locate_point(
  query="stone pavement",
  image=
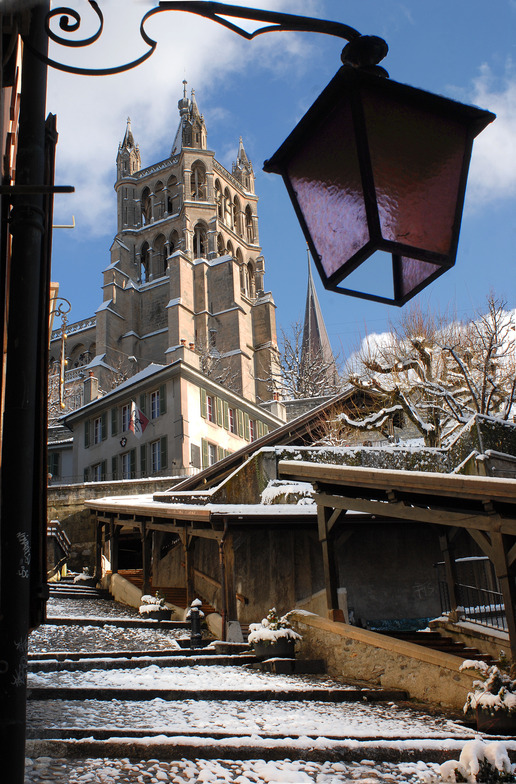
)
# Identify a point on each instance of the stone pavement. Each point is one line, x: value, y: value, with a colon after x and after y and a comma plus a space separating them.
x: 111, y: 703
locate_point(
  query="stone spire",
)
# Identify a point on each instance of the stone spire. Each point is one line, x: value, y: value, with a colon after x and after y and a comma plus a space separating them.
x: 128, y: 159
x: 191, y: 131
x: 243, y: 169
x: 316, y: 344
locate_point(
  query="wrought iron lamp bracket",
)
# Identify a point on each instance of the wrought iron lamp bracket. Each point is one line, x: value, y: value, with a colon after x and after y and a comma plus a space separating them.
x: 361, y: 52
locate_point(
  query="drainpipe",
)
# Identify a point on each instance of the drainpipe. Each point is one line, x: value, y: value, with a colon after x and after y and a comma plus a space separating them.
x: 22, y: 506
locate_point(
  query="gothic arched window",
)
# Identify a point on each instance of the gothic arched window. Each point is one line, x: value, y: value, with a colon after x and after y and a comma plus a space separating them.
x: 173, y: 196
x: 219, y: 200
x: 198, y: 181
x: 173, y: 243
x: 146, y: 206
x: 144, y: 263
x: 237, y: 216
x: 221, y: 249
x: 160, y: 256
x: 250, y: 280
x: 159, y: 201
x: 199, y: 241
x: 229, y: 249
x: 228, y: 209
x: 249, y: 225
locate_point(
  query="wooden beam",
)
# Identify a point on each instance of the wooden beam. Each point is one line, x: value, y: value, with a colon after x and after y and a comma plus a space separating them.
x: 229, y: 560
x: 114, y: 547
x: 419, y: 514
x: 449, y: 569
x: 146, y: 559
x: 98, y: 551
x: 189, y: 547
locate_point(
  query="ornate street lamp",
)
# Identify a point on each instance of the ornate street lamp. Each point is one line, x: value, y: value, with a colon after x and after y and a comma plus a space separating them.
x: 373, y: 166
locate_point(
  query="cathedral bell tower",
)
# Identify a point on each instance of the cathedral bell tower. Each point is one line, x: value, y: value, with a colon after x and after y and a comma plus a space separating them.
x: 186, y: 278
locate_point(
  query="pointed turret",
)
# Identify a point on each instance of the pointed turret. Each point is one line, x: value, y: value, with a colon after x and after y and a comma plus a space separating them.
x: 128, y: 159
x: 316, y: 346
x: 191, y: 131
x: 243, y: 169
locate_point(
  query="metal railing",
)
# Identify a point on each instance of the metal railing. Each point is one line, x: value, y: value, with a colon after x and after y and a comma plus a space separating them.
x: 476, y: 605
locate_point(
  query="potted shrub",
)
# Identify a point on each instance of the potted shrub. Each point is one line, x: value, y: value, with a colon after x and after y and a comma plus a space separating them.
x: 493, y: 700
x: 153, y: 607
x: 273, y: 637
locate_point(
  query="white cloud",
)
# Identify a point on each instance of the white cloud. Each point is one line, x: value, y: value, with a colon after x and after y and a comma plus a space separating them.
x: 92, y: 110
x: 493, y: 165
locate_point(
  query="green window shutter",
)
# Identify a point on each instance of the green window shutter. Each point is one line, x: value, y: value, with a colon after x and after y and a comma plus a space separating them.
x: 204, y: 452
x: 103, y: 425
x: 163, y: 446
x: 142, y: 403
x: 114, y: 467
x: 114, y: 421
x: 204, y: 409
x: 162, y: 399
x: 103, y: 470
x: 246, y: 426
x: 218, y: 407
x: 87, y: 433
x: 220, y: 453
x: 226, y: 414
x: 133, y: 463
x: 87, y: 474
x: 240, y: 422
x: 143, y: 460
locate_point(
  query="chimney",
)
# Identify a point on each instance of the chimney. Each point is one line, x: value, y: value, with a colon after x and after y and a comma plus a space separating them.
x: 91, y: 388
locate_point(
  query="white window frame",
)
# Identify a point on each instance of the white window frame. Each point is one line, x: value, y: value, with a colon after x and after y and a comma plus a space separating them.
x: 126, y: 465
x: 212, y: 454
x: 155, y: 456
x: 96, y: 472
x: 126, y: 417
x: 210, y: 408
x: 97, y: 430
x: 232, y: 420
x: 154, y: 404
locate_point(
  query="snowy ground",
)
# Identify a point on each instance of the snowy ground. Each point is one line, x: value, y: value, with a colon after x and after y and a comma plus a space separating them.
x: 253, y: 723
x: 73, y: 608
x: 200, y: 771
x: 345, y: 720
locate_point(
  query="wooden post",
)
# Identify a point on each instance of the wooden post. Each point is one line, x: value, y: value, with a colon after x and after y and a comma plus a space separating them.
x: 450, y: 571
x: 330, y: 568
x: 229, y: 588
x: 115, y: 537
x: 505, y: 575
x: 98, y: 552
x: 146, y: 559
x: 189, y: 547
x: 223, y: 609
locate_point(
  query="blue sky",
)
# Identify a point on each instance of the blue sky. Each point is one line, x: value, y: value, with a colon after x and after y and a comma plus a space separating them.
x: 463, y: 49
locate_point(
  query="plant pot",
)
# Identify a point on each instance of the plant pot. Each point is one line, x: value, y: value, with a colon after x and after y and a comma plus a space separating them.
x: 156, y: 615
x: 496, y: 722
x: 283, y: 648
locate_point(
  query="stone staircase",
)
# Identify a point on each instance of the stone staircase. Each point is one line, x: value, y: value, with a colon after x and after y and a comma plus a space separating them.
x: 173, y: 595
x: 438, y: 642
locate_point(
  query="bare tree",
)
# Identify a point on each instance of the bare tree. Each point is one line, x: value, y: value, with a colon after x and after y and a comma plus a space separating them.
x: 61, y: 401
x: 303, y: 374
x: 439, y: 372
x: 217, y: 366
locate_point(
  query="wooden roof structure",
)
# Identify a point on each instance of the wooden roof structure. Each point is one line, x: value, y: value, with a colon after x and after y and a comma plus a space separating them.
x: 484, y: 506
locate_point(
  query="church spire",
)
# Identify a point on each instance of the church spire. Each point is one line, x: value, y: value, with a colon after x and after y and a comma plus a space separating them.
x: 316, y: 346
x: 191, y: 131
x: 128, y: 159
x: 243, y: 168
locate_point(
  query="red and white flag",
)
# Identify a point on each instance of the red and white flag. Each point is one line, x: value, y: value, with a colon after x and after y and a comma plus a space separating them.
x: 138, y: 421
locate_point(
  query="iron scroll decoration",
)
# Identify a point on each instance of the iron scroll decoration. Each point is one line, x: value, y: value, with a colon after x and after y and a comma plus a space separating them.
x: 361, y: 51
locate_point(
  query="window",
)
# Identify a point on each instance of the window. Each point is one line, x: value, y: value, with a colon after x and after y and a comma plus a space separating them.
x: 232, y: 421
x: 212, y: 454
x: 126, y: 417
x: 98, y: 472
x: 198, y: 181
x: 53, y: 464
x: 127, y: 469
x: 154, y: 404
x: 252, y: 430
x: 209, y: 408
x: 97, y: 430
x: 155, y: 457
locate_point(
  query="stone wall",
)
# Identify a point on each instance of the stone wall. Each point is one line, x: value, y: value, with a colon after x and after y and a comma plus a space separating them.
x: 350, y: 652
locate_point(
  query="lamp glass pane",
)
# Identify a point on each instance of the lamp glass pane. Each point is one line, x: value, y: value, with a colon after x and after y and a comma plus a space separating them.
x: 417, y: 160
x: 325, y: 175
x: 414, y: 272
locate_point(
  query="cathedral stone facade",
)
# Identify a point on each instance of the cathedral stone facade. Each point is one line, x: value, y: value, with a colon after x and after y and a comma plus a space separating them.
x: 186, y: 278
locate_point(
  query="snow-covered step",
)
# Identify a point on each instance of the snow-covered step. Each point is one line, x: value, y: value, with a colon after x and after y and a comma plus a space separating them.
x: 178, y: 659
x: 127, y: 623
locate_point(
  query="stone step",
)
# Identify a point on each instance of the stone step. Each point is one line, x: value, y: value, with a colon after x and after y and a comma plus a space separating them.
x: 108, y: 663
x: 127, y: 623
x: 438, y: 642
x: 393, y: 750
x: 286, y: 695
x: 184, y: 650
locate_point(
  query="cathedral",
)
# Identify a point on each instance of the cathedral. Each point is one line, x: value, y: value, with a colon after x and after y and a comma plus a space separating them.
x: 186, y: 275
